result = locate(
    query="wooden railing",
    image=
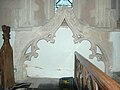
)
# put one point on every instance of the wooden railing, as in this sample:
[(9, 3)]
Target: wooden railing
[(6, 60), (90, 77)]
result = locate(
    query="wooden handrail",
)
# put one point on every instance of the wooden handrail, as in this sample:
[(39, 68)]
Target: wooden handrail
[(93, 78), (6, 60)]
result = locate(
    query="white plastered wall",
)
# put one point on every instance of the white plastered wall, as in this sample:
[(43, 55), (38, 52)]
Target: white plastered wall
[(57, 60), (115, 39)]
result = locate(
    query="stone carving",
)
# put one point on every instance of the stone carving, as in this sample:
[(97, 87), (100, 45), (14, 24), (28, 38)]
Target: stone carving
[(81, 31)]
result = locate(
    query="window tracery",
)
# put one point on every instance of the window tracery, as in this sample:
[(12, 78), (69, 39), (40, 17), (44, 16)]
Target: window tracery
[(59, 3)]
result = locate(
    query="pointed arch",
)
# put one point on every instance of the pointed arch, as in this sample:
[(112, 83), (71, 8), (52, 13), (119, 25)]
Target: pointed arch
[(81, 31)]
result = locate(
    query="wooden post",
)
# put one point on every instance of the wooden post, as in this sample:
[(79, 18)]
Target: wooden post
[(84, 78), (77, 72), (6, 60)]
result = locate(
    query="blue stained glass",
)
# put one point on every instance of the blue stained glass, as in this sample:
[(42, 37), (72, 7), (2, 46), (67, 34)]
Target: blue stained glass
[(59, 3)]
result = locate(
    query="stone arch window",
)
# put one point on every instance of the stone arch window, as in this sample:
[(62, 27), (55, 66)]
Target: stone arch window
[(68, 3)]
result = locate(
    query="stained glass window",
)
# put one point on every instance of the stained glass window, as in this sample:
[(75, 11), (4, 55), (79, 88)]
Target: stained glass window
[(58, 3)]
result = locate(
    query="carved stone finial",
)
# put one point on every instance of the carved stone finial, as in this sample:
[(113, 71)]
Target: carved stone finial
[(6, 31)]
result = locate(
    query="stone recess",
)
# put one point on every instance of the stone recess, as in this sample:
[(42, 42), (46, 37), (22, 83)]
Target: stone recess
[(81, 31)]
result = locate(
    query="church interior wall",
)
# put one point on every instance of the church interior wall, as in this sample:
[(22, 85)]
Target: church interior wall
[(24, 15)]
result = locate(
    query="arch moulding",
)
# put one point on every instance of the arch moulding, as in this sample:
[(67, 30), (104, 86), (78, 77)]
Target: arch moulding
[(81, 31)]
